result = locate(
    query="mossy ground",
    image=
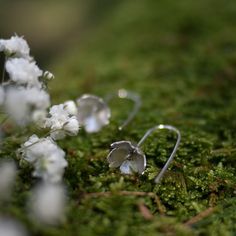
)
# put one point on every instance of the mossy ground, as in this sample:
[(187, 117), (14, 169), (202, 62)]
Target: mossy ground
[(180, 56)]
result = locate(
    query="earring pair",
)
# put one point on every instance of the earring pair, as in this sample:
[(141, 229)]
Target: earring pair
[(131, 159), (94, 112)]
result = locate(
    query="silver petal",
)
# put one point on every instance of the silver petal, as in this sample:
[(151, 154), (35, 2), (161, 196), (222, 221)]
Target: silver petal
[(117, 156), (136, 164), (140, 162), (129, 157), (93, 112), (123, 144)]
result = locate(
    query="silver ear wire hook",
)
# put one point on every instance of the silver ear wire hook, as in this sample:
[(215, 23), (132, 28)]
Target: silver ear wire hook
[(168, 127), (94, 112), (123, 93), (131, 159)]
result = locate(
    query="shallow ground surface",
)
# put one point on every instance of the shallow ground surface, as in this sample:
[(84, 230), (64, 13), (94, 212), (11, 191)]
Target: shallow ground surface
[(180, 56)]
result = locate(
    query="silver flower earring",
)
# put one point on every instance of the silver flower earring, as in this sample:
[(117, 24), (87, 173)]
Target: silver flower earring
[(94, 112), (131, 159)]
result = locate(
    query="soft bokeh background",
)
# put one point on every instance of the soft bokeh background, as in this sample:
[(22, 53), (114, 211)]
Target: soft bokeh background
[(52, 27)]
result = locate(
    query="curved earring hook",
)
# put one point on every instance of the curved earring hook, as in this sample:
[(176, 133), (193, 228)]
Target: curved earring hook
[(168, 127), (123, 93)]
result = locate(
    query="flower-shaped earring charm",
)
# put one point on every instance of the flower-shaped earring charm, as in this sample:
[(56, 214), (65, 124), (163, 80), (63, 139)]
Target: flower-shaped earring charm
[(131, 159), (94, 113), (127, 156)]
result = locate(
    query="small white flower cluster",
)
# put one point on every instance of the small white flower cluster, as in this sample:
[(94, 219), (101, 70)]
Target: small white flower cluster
[(26, 104), (24, 72), (11, 227), (15, 46), (7, 178), (25, 100), (47, 200), (48, 159), (43, 153), (62, 120), (8, 173), (23, 96), (47, 203)]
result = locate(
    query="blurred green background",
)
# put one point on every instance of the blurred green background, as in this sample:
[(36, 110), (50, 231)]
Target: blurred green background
[(52, 27)]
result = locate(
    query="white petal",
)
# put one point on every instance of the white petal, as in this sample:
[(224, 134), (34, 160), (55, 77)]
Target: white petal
[(47, 158), (72, 126), (22, 71), (21, 103), (47, 203), (116, 157), (10, 227), (70, 107), (7, 178), (16, 45), (48, 75)]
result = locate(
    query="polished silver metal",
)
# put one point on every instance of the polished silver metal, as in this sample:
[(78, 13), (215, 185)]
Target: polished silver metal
[(127, 156), (131, 159), (94, 112), (170, 159), (124, 94)]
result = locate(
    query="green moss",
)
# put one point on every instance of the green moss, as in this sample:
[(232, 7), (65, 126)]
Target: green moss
[(180, 57)]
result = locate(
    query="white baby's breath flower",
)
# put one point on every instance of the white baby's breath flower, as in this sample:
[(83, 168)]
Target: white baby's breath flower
[(22, 71), (61, 122), (10, 227), (58, 117), (2, 95), (72, 126), (48, 75), (57, 134), (7, 178), (29, 149), (47, 158), (70, 107), (51, 168), (47, 203), (21, 103), (1, 45), (15, 46), (38, 117)]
